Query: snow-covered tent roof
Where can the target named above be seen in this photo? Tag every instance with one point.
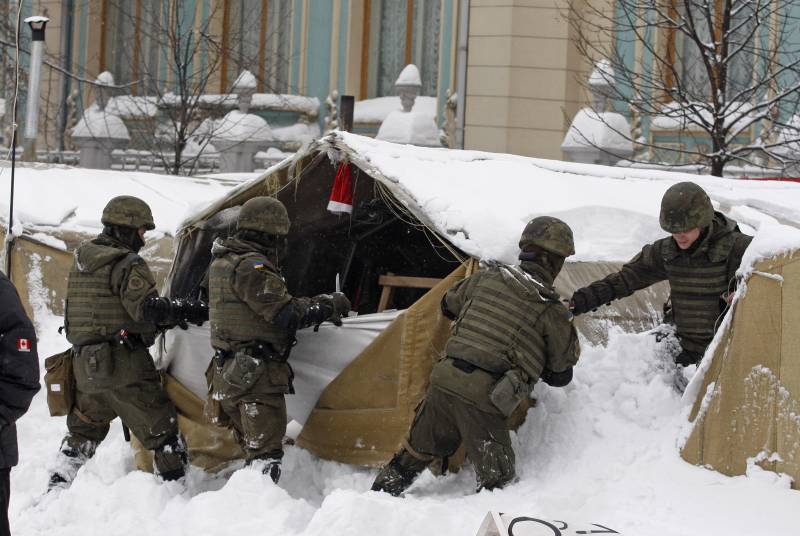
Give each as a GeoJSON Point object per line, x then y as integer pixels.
{"type": "Point", "coordinates": [479, 202]}
{"type": "Point", "coordinates": [475, 204]}
{"type": "Point", "coordinates": [57, 207]}
{"type": "Point", "coordinates": [72, 199]}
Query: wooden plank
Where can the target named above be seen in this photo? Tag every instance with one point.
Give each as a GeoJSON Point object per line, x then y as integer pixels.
{"type": "Point", "coordinates": [408, 281]}
{"type": "Point", "coordinates": [365, 49]}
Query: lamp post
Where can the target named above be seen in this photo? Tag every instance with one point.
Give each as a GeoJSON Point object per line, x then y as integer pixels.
{"type": "Point", "coordinates": [37, 24]}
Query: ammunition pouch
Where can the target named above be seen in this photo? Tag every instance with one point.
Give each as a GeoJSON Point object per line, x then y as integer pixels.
{"type": "Point", "coordinates": [60, 382]}
{"type": "Point", "coordinates": [509, 391]}
{"type": "Point", "coordinates": [95, 365]}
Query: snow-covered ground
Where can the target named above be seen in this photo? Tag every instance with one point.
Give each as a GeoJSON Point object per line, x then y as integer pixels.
{"type": "Point", "coordinates": [603, 449]}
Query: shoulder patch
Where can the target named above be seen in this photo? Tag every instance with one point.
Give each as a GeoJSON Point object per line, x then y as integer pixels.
{"type": "Point", "coordinates": [258, 265]}
{"type": "Point", "coordinates": [273, 285]}
{"type": "Point", "coordinates": [135, 282]}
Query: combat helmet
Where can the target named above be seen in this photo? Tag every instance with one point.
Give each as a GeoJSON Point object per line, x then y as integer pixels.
{"type": "Point", "coordinates": [128, 211]}
{"type": "Point", "coordinates": [549, 234]}
{"type": "Point", "coordinates": [685, 206]}
{"type": "Point", "coordinates": [264, 214]}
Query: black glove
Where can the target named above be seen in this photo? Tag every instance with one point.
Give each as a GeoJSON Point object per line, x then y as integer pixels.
{"type": "Point", "coordinates": [195, 311]}
{"type": "Point", "coordinates": [168, 313]}
{"type": "Point", "coordinates": [686, 358]}
{"type": "Point", "coordinates": [556, 379]}
{"type": "Point", "coordinates": [590, 298]}
{"type": "Point", "coordinates": [581, 302]}
{"type": "Point", "coordinates": [341, 306]}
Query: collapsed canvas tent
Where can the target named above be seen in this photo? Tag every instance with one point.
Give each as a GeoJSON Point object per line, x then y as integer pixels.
{"type": "Point", "coordinates": [426, 214]}
{"type": "Point", "coordinates": [747, 397]}
{"type": "Point", "coordinates": [58, 207]}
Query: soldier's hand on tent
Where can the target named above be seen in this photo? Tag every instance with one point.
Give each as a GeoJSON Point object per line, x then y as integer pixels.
{"type": "Point", "coordinates": [580, 302]}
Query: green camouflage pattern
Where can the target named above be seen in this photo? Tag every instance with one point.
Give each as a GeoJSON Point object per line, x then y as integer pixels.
{"type": "Point", "coordinates": [443, 422]}
{"type": "Point", "coordinates": [507, 318]}
{"type": "Point", "coordinates": [698, 277]}
{"type": "Point", "coordinates": [246, 291]}
{"type": "Point", "coordinates": [550, 234]}
{"type": "Point", "coordinates": [264, 214]}
{"type": "Point", "coordinates": [124, 383]}
{"type": "Point", "coordinates": [128, 211]}
{"type": "Point", "coordinates": [685, 206]}
{"type": "Point", "coordinates": [106, 290]}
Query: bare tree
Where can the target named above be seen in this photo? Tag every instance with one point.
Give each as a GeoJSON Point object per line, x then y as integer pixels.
{"type": "Point", "coordinates": [725, 73]}
{"type": "Point", "coordinates": [183, 66]}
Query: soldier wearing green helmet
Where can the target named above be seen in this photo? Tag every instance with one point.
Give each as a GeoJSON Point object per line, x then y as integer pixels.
{"type": "Point", "coordinates": [253, 321]}
{"type": "Point", "coordinates": [113, 312]}
{"type": "Point", "coordinates": [510, 330]}
{"type": "Point", "coordinates": [699, 260]}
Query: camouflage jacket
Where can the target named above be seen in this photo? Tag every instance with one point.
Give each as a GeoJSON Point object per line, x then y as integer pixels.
{"type": "Point", "coordinates": [106, 292]}
{"type": "Point", "coordinates": [246, 293]}
{"type": "Point", "coordinates": [506, 317]}
{"type": "Point", "coordinates": [698, 278]}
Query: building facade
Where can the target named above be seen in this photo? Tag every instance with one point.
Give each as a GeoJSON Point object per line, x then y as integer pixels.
{"type": "Point", "coordinates": [519, 74]}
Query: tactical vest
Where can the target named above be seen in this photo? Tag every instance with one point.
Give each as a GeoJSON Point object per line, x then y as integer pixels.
{"type": "Point", "coordinates": [93, 312]}
{"type": "Point", "coordinates": [696, 285]}
{"type": "Point", "coordinates": [496, 329]}
{"type": "Point", "coordinates": [233, 323]}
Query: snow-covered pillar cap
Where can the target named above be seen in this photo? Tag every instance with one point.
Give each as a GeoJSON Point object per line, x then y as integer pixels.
{"type": "Point", "coordinates": [601, 84]}
{"type": "Point", "coordinates": [244, 87]}
{"type": "Point", "coordinates": [408, 86]}
{"type": "Point", "coordinates": [103, 86]}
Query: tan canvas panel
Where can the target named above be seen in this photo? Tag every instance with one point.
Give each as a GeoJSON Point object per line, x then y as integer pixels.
{"type": "Point", "coordinates": [753, 382]}
{"type": "Point", "coordinates": [366, 411]}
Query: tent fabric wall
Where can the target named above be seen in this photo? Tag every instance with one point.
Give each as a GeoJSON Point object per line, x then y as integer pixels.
{"type": "Point", "coordinates": [748, 404]}
{"type": "Point", "coordinates": [363, 415]}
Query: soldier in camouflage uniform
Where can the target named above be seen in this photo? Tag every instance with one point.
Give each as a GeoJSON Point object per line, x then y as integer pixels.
{"type": "Point", "coordinates": [112, 314]}
{"type": "Point", "coordinates": [253, 321]}
{"type": "Point", "coordinates": [699, 260]}
{"type": "Point", "coordinates": [510, 330]}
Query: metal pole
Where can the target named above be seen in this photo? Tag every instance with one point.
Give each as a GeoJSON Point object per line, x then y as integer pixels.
{"type": "Point", "coordinates": [9, 231]}
{"type": "Point", "coordinates": [37, 25]}
{"type": "Point", "coordinates": [347, 105]}
{"type": "Point", "coordinates": [461, 74]}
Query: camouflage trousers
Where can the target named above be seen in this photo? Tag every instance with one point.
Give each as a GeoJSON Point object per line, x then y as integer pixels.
{"type": "Point", "coordinates": [252, 407]}
{"type": "Point", "coordinates": [444, 421]}
{"type": "Point", "coordinates": [114, 381]}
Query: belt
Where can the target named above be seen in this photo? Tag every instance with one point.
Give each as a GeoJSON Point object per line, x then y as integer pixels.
{"type": "Point", "coordinates": [469, 368]}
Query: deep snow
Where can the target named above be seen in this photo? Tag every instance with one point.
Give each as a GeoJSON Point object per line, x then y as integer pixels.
{"type": "Point", "coordinates": [604, 449]}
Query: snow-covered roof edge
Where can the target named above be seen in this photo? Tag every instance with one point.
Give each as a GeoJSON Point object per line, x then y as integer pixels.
{"type": "Point", "coordinates": [370, 155]}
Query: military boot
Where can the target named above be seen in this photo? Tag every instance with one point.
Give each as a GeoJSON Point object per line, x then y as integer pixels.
{"type": "Point", "coordinates": [269, 465]}
{"type": "Point", "coordinates": [170, 459]}
{"type": "Point", "coordinates": [396, 476]}
{"type": "Point", "coordinates": [71, 457]}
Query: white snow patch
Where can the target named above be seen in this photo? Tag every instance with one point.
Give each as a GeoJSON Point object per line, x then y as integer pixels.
{"type": "Point", "coordinates": [245, 80]}
{"type": "Point", "coordinates": [73, 198]}
{"type": "Point", "coordinates": [409, 127]}
{"type": "Point", "coordinates": [236, 126]}
{"type": "Point", "coordinates": [409, 76]}
{"type": "Point", "coordinates": [377, 109]}
{"type": "Point", "coordinates": [100, 124]}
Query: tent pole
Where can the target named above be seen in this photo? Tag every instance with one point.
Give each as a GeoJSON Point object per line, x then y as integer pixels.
{"type": "Point", "coordinates": [9, 232]}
